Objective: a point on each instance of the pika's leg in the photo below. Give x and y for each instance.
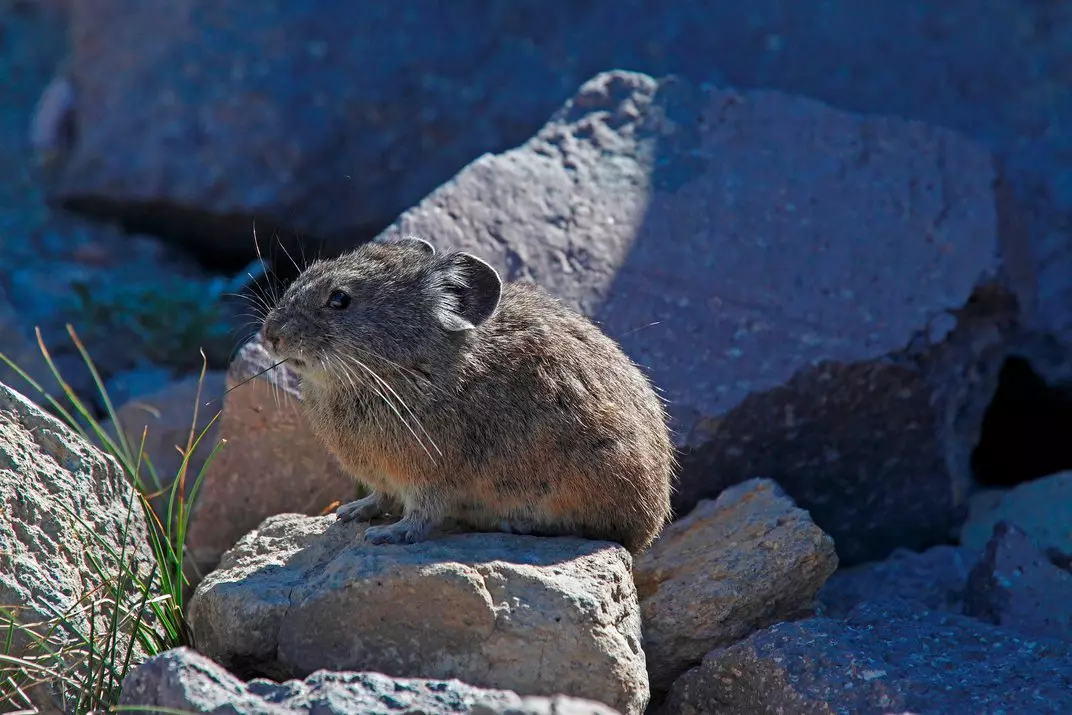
(366, 508)
(423, 512)
(522, 527)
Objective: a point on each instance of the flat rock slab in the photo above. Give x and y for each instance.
(187, 681)
(793, 277)
(271, 464)
(1042, 508)
(888, 658)
(534, 615)
(935, 579)
(745, 561)
(1017, 587)
(64, 507)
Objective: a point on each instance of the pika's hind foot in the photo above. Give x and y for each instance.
(365, 509)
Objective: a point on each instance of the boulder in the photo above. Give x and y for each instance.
(271, 463)
(1017, 587)
(820, 295)
(184, 680)
(538, 616)
(935, 579)
(1041, 508)
(884, 658)
(333, 118)
(65, 509)
(742, 562)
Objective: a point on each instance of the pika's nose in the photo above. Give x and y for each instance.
(270, 334)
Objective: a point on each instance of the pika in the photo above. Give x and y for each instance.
(454, 396)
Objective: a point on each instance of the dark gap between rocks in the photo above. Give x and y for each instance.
(219, 243)
(1026, 431)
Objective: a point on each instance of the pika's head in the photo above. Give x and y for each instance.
(387, 302)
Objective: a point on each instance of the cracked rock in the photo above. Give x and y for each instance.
(844, 271)
(185, 680)
(538, 616)
(747, 560)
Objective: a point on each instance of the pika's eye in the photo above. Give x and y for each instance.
(339, 300)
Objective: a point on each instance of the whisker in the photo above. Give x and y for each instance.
(387, 386)
(248, 379)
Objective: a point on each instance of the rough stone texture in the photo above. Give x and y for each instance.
(825, 258)
(389, 102)
(1019, 588)
(886, 658)
(272, 462)
(1041, 508)
(165, 417)
(62, 505)
(935, 578)
(533, 615)
(183, 679)
(742, 562)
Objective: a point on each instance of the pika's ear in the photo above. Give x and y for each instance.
(412, 241)
(472, 291)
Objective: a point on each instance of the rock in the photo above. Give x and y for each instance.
(187, 681)
(271, 463)
(1017, 587)
(65, 507)
(935, 578)
(1041, 508)
(533, 615)
(886, 658)
(165, 417)
(827, 260)
(747, 560)
(394, 92)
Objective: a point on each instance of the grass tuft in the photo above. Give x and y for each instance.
(134, 610)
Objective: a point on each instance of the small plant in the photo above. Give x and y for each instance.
(136, 611)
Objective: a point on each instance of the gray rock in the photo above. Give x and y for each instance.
(935, 578)
(1017, 587)
(65, 508)
(532, 615)
(393, 100)
(742, 562)
(884, 658)
(826, 259)
(1041, 508)
(185, 680)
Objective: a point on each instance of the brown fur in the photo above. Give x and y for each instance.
(540, 422)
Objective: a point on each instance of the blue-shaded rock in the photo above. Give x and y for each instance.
(935, 578)
(1016, 586)
(888, 658)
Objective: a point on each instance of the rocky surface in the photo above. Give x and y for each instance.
(1016, 586)
(1041, 508)
(190, 682)
(887, 658)
(742, 562)
(935, 579)
(410, 105)
(533, 615)
(272, 462)
(64, 507)
(846, 367)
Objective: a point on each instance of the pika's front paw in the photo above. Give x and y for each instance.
(401, 532)
(365, 509)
